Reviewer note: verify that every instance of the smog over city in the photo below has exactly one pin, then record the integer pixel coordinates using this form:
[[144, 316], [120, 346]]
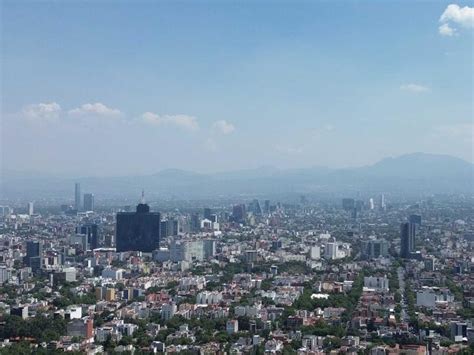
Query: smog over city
[[237, 177]]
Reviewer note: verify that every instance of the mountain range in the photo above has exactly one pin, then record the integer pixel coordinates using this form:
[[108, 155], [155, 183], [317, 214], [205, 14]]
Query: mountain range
[[411, 174]]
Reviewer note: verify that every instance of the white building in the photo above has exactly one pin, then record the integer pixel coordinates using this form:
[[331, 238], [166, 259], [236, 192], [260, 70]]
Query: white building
[[168, 310], [337, 250], [330, 252], [31, 208], [247, 311], [315, 252], [189, 250], [5, 274], [113, 274], [73, 312], [376, 283], [208, 297], [232, 326], [431, 296]]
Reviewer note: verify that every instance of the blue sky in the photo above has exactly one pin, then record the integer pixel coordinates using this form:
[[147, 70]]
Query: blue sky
[[103, 88]]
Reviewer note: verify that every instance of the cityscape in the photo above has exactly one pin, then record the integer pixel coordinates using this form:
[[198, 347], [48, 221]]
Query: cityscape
[[237, 177], [373, 275]]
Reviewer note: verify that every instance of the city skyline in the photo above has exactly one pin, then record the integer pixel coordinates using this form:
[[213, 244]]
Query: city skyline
[[234, 87], [308, 169]]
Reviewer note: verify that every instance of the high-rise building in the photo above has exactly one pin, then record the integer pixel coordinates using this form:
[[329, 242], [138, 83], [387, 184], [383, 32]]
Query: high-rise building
[[372, 249], [371, 204], [164, 229], [88, 202], [195, 224], [209, 246], [138, 231], [382, 205], [169, 227], [348, 204], [91, 230], [168, 310], [5, 211], [415, 219], [77, 196], [267, 206], [330, 251], [407, 239], [173, 227], [255, 208], [31, 208], [238, 213], [33, 249], [207, 213]]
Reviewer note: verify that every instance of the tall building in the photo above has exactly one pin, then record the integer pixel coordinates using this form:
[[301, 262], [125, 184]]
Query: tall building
[[407, 242], [330, 251], [209, 246], [207, 213], [34, 249], [88, 202], [169, 227], [255, 208], [195, 224], [91, 230], [348, 204], [415, 219], [267, 206], [168, 310], [31, 208], [382, 205], [238, 213], [372, 249], [77, 196], [138, 231], [371, 204]]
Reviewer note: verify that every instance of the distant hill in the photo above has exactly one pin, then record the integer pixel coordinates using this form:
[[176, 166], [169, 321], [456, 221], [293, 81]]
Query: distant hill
[[411, 173], [421, 165]]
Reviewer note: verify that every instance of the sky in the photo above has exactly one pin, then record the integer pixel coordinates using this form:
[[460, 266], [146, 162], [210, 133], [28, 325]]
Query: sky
[[135, 87]]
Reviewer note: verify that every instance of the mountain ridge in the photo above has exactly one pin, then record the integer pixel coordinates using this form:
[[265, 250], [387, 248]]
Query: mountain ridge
[[421, 172]]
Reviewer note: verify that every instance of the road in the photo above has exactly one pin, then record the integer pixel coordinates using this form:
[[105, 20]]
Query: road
[[401, 282]]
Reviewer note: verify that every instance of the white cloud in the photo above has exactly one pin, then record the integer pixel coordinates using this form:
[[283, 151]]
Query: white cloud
[[223, 127], [454, 15], [446, 30], [95, 109], [42, 112], [414, 88], [181, 121]]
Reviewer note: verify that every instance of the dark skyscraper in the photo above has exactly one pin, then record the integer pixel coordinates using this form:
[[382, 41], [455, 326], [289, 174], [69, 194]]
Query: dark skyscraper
[[238, 213], [138, 231], [415, 218], [77, 196], [255, 208], [34, 249], [407, 235], [92, 232], [267, 206], [88, 202], [207, 213], [348, 204], [195, 224]]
